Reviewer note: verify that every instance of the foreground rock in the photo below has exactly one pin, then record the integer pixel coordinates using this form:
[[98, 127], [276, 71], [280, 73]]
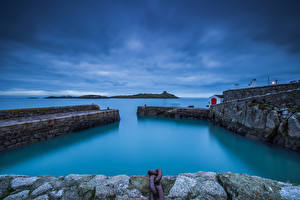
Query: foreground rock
[[200, 185]]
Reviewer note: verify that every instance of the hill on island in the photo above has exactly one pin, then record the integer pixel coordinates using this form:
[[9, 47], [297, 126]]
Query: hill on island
[[163, 95]]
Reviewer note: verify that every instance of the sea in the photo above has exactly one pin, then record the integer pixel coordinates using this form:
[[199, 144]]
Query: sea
[[135, 145]]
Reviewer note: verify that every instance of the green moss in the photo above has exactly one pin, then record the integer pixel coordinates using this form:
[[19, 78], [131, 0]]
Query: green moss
[[261, 106], [297, 109], [140, 183], [294, 109]]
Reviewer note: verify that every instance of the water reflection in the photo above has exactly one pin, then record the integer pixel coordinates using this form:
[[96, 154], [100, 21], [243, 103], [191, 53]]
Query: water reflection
[[230, 152], [29, 152], [264, 159]]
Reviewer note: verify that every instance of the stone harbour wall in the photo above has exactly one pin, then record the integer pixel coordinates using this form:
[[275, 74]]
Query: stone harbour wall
[[31, 112], [266, 122], [276, 125], [289, 99], [230, 95], [173, 112], [200, 185], [16, 133]]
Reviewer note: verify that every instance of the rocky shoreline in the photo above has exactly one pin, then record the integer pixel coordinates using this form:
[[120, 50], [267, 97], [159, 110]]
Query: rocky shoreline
[[265, 122], [279, 126], [200, 185], [270, 114]]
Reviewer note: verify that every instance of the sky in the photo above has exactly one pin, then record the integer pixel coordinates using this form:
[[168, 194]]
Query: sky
[[188, 48]]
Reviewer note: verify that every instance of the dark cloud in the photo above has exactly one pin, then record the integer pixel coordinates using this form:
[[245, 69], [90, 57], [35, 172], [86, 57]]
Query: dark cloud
[[188, 47]]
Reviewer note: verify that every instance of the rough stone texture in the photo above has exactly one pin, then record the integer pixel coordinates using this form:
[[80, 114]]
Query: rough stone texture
[[173, 112], [21, 182], [242, 186], [280, 126], [4, 185], [294, 126], [43, 197], [56, 194], [41, 189], [289, 192], [266, 122], [285, 91], [20, 195], [269, 113], [22, 131], [200, 185]]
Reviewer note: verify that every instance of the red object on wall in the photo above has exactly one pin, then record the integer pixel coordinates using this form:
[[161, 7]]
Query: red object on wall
[[213, 101]]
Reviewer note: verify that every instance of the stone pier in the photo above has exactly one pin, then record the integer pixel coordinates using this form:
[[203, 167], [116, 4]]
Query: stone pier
[[25, 126], [173, 112]]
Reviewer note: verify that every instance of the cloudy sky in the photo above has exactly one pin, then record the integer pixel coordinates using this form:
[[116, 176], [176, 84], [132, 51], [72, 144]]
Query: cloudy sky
[[189, 48]]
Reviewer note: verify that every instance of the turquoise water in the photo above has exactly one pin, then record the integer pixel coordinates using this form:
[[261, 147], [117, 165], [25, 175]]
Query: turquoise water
[[137, 144]]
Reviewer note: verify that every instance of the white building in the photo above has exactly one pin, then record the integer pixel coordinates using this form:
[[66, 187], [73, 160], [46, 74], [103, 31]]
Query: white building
[[215, 99]]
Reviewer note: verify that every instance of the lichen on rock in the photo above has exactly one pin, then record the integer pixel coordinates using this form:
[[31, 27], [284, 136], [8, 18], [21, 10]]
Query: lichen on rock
[[242, 186], [199, 185]]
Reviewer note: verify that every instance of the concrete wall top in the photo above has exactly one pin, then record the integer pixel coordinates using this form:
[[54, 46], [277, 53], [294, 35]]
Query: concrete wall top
[[30, 112]]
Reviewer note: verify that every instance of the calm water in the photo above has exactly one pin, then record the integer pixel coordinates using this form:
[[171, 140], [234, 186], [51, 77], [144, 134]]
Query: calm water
[[135, 145]]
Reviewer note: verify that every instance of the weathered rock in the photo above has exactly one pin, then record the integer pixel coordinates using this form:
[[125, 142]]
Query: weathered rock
[[259, 121], [200, 185], [76, 179], [4, 185], [21, 182], [182, 187], [56, 194], [104, 192], [283, 126], [41, 189], [242, 186], [43, 197], [294, 126], [272, 124], [20, 196], [290, 193], [88, 188], [272, 120], [141, 183], [167, 183], [71, 193], [255, 117], [119, 184], [210, 190]]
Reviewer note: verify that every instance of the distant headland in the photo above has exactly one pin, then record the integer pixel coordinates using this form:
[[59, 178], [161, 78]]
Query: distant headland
[[163, 95]]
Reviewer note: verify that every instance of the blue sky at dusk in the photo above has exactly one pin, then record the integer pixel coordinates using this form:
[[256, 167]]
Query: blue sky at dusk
[[189, 48]]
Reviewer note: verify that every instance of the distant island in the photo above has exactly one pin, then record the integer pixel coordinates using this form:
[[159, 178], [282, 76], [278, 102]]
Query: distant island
[[79, 97], [163, 95]]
